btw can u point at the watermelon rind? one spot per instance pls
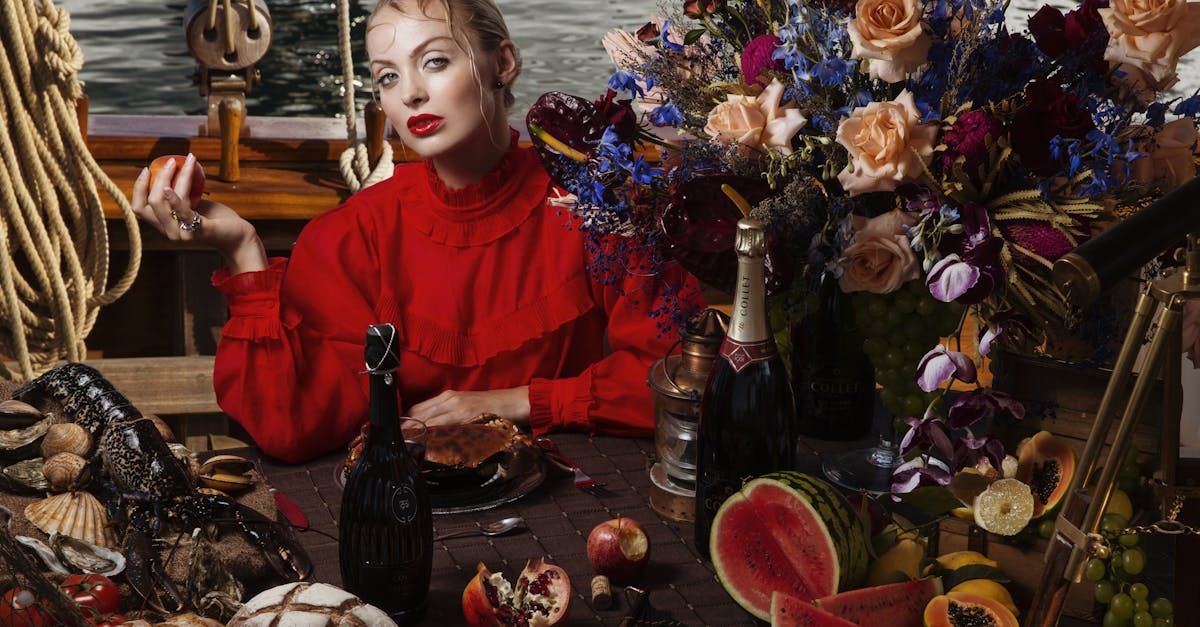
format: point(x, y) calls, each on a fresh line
point(894, 604)
point(788, 611)
point(788, 532)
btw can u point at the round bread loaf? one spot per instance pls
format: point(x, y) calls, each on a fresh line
point(309, 605)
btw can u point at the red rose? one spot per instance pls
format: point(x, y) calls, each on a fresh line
point(757, 57)
point(1048, 112)
point(1081, 30)
point(697, 9)
point(620, 116)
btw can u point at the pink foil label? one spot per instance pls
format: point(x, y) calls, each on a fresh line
point(742, 354)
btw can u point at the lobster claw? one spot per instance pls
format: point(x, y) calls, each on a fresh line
point(285, 555)
point(146, 576)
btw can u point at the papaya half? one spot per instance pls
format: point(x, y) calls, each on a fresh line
point(1046, 465)
point(966, 609)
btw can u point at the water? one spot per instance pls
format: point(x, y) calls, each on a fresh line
point(136, 59)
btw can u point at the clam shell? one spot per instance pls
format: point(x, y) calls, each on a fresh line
point(44, 553)
point(76, 514)
point(228, 464)
point(163, 428)
point(87, 556)
point(63, 471)
point(66, 437)
point(22, 443)
point(16, 414)
point(26, 477)
point(226, 482)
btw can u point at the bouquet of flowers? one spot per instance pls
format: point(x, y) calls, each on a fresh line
point(932, 160)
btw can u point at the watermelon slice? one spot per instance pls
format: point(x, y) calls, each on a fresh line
point(788, 611)
point(773, 535)
point(895, 604)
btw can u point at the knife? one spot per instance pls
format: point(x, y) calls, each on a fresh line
point(283, 503)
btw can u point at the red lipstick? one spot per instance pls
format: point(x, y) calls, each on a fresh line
point(424, 124)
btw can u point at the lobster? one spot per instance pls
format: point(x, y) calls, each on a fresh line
point(146, 489)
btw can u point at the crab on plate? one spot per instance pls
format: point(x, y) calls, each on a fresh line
point(484, 451)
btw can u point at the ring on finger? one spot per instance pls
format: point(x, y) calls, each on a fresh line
point(174, 215)
point(189, 225)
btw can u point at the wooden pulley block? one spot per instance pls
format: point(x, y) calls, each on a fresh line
point(221, 34)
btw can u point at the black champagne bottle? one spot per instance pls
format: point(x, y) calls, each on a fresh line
point(747, 414)
point(385, 530)
point(833, 378)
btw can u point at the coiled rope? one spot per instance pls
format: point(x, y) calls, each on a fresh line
point(354, 162)
point(53, 239)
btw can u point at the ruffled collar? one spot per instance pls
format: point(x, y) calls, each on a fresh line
point(487, 210)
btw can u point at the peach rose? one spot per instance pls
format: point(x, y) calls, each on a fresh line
point(880, 258)
point(759, 122)
point(889, 34)
point(1170, 159)
point(887, 145)
point(1191, 331)
point(1151, 35)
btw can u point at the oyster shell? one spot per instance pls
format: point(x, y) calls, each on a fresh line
point(227, 473)
point(87, 556)
point(63, 471)
point(66, 437)
point(44, 554)
point(23, 443)
point(77, 514)
point(26, 477)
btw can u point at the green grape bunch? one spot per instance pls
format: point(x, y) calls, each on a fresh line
point(898, 328)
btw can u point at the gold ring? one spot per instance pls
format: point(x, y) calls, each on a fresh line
point(174, 216)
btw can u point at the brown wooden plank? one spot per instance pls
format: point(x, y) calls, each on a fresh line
point(163, 385)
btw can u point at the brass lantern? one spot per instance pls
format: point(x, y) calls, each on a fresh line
point(678, 382)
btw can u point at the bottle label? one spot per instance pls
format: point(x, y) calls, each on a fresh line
point(404, 504)
point(742, 354)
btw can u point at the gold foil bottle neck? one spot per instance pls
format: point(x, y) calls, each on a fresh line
point(751, 238)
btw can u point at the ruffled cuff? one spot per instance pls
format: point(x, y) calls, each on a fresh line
point(560, 404)
point(253, 299)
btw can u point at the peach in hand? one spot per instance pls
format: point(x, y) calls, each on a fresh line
point(197, 187)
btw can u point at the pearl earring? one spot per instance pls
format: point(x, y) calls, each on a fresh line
point(499, 84)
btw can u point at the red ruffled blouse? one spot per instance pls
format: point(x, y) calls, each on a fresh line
point(489, 289)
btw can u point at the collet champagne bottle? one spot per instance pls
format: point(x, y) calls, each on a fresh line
point(385, 530)
point(834, 380)
point(747, 413)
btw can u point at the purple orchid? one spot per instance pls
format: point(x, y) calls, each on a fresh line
point(926, 432)
point(1006, 324)
point(968, 451)
point(950, 278)
point(940, 365)
point(983, 404)
point(916, 473)
point(971, 270)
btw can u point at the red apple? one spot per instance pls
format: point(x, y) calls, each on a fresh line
point(618, 549)
point(197, 187)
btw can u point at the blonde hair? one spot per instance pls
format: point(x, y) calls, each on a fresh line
point(481, 19)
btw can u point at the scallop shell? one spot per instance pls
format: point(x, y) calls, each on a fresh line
point(76, 514)
point(63, 470)
point(66, 437)
point(87, 556)
point(26, 477)
point(22, 443)
point(44, 553)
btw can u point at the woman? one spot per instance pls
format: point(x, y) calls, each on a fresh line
point(465, 253)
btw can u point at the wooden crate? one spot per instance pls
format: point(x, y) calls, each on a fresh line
point(1021, 560)
point(1063, 398)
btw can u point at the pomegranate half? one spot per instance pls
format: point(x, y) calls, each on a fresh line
point(539, 597)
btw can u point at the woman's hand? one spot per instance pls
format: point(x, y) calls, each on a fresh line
point(166, 207)
point(454, 407)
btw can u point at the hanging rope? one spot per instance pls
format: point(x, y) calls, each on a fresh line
point(354, 162)
point(53, 238)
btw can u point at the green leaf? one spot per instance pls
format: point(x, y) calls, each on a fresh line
point(973, 571)
point(932, 500)
point(692, 36)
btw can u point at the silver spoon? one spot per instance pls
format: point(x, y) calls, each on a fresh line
point(494, 528)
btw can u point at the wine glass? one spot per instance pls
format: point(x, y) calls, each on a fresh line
point(868, 469)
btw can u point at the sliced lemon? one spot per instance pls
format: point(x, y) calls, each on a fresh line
point(1004, 508)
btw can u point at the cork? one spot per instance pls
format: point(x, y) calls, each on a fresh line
point(601, 593)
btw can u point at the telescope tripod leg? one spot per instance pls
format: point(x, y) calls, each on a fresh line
point(1080, 515)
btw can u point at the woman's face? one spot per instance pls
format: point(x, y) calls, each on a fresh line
point(427, 84)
